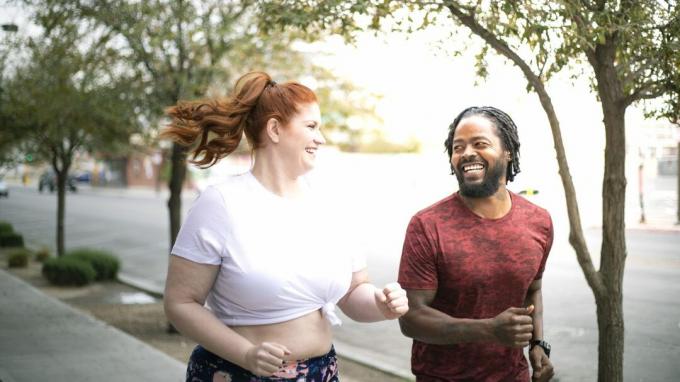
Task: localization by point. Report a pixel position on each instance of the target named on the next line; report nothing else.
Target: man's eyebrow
(475, 138)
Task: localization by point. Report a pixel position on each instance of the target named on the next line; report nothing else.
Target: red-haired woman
(255, 274)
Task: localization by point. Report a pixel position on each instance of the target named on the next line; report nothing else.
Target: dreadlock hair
(505, 129)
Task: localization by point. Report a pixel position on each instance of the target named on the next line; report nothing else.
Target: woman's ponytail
(214, 128)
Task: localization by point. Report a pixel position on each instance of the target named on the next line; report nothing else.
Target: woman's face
(301, 138)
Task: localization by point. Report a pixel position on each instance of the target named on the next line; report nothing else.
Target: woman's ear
(273, 130)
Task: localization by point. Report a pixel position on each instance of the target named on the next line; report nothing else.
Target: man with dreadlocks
(472, 264)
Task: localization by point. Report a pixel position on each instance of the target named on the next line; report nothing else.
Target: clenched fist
(391, 301)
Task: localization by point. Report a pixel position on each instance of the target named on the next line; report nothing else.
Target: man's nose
(468, 152)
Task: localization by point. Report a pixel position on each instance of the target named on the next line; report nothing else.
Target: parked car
(4, 190)
(48, 180)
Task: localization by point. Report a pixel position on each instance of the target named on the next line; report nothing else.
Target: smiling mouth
(311, 150)
(472, 167)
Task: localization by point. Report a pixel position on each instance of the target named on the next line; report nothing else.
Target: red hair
(254, 101)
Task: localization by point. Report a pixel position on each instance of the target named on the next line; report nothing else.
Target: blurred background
(84, 84)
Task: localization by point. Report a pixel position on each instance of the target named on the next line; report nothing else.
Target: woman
(254, 249)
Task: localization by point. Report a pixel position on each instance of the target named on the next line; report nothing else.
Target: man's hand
(514, 327)
(391, 301)
(266, 358)
(543, 368)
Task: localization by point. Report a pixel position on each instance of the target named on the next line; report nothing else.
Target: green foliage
(18, 259)
(68, 271)
(69, 94)
(42, 254)
(11, 239)
(6, 227)
(104, 263)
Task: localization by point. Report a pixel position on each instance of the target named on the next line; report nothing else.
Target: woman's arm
(186, 288)
(366, 303)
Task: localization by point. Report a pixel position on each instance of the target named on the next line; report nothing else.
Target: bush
(104, 263)
(6, 227)
(42, 255)
(18, 259)
(11, 239)
(68, 271)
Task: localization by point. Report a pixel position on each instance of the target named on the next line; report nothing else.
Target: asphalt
(41, 338)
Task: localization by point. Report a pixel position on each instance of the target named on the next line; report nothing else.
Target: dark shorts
(205, 366)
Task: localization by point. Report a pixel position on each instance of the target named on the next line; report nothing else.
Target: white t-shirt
(279, 258)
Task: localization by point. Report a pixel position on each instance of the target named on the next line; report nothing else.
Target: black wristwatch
(541, 343)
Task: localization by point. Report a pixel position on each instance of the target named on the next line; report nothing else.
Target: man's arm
(422, 322)
(543, 368)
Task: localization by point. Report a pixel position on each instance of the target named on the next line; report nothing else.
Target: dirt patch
(142, 316)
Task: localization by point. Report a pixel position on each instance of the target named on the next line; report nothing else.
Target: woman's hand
(266, 358)
(391, 301)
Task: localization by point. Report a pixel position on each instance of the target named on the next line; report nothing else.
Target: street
(133, 225)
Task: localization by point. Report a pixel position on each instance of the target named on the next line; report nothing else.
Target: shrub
(42, 254)
(6, 227)
(18, 259)
(68, 271)
(11, 239)
(104, 263)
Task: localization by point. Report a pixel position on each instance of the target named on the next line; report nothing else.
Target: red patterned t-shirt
(479, 267)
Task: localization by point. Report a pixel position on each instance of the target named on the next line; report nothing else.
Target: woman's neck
(275, 177)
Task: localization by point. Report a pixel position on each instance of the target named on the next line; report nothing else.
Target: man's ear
(508, 156)
(273, 129)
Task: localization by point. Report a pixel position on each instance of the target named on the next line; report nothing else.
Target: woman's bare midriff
(306, 337)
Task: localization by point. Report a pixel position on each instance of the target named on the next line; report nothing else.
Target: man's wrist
(542, 344)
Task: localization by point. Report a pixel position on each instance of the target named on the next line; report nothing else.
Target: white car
(4, 190)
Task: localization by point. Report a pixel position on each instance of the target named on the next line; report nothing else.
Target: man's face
(478, 158)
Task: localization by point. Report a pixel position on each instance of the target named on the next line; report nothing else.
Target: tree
(632, 48)
(186, 50)
(66, 98)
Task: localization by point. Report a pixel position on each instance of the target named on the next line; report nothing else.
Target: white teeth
(472, 167)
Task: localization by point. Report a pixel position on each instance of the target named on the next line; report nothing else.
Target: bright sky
(424, 87)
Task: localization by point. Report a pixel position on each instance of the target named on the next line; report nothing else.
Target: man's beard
(490, 184)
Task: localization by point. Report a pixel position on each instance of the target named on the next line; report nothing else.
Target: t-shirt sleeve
(202, 236)
(418, 266)
(546, 248)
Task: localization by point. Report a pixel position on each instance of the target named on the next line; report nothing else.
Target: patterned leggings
(205, 366)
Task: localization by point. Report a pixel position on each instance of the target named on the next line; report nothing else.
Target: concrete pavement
(42, 338)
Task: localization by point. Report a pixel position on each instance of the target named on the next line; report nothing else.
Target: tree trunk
(613, 250)
(61, 211)
(177, 175)
(61, 179)
(610, 344)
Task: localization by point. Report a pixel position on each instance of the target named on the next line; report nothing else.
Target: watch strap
(541, 343)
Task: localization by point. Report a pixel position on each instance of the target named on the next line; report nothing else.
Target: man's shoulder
(535, 213)
(526, 204)
(437, 209)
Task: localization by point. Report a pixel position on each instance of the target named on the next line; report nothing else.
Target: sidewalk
(43, 338)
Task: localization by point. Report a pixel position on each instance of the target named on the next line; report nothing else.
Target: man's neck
(492, 207)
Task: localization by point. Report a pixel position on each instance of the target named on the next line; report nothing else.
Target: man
(472, 265)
